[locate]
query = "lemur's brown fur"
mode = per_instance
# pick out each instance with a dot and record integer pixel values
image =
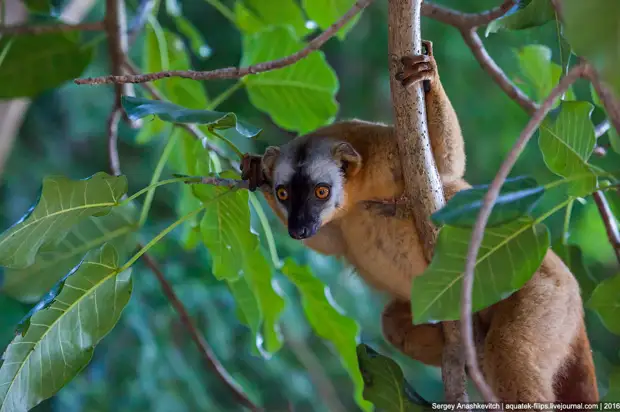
(535, 348)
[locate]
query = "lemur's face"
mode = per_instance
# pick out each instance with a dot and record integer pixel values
(308, 176)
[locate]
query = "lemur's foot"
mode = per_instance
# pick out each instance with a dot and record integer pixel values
(421, 67)
(252, 171)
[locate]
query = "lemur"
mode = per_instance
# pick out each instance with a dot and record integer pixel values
(321, 186)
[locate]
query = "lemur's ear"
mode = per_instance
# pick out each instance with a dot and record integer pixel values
(269, 160)
(349, 159)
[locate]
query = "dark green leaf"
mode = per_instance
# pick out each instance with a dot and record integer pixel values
(517, 197)
(509, 255)
(62, 204)
(540, 72)
(328, 321)
(38, 6)
(59, 339)
(566, 141)
(198, 44)
(327, 12)
(384, 382)
(61, 55)
(52, 263)
(282, 12)
(536, 13)
(573, 258)
(591, 28)
(299, 97)
(605, 300)
(138, 108)
(614, 386)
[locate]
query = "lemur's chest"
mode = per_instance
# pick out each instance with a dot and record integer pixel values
(384, 247)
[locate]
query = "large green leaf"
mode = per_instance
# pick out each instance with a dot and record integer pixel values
(236, 254)
(540, 72)
(384, 382)
(327, 12)
(62, 203)
(509, 256)
(591, 27)
(58, 340)
(328, 322)
(605, 300)
(246, 19)
(52, 263)
(36, 63)
(138, 108)
(566, 141)
(271, 13)
(535, 13)
(516, 198)
(299, 97)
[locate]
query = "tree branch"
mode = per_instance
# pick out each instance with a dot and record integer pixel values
(464, 21)
(235, 72)
(208, 356)
(478, 231)
(113, 120)
(423, 188)
(49, 28)
(611, 227)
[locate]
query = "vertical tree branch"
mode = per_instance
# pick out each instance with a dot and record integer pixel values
(423, 188)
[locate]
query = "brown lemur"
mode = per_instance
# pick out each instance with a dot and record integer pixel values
(535, 346)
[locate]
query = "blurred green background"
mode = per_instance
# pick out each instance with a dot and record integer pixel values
(148, 361)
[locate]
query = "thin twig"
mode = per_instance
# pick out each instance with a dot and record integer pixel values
(609, 221)
(113, 120)
(464, 20)
(49, 28)
(235, 72)
(607, 97)
(205, 350)
(478, 231)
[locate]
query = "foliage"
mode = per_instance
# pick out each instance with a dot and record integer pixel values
(73, 254)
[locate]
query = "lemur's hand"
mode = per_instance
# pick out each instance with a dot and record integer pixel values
(421, 67)
(252, 171)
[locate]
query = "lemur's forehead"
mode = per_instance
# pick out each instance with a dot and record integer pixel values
(310, 158)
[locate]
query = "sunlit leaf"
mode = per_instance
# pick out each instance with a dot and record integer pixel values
(384, 382)
(62, 56)
(52, 263)
(138, 108)
(299, 97)
(605, 300)
(58, 340)
(566, 141)
(236, 254)
(517, 197)
(246, 20)
(591, 28)
(281, 12)
(328, 321)
(327, 12)
(62, 203)
(535, 13)
(508, 257)
(540, 72)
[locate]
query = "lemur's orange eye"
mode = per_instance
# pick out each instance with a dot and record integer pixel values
(322, 192)
(282, 193)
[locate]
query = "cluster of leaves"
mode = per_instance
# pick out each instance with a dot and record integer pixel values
(515, 240)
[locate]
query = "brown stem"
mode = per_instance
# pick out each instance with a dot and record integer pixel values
(113, 120)
(235, 72)
(464, 21)
(49, 28)
(205, 350)
(610, 102)
(611, 227)
(478, 231)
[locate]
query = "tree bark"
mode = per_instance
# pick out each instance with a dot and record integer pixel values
(423, 188)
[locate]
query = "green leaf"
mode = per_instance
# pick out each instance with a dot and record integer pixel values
(605, 300)
(300, 97)
(535, 13)
(384, 382)
(573, 258)
(327, 12)
(591, 28)
(58, 340)
(52, 263)
(138, 108)
(516, 198)
(62, 204)
(235, 252)
(197, 42)
(21, 74)
(509, 256)
(612, 133)
(281, 12)
(328, 321)
(38, 6)
(540, 72)
(566, 141)
(246, 20)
